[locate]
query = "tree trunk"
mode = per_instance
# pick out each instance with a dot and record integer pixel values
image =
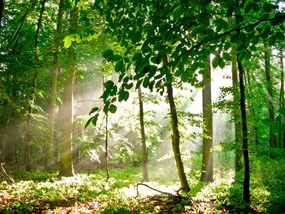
(144, 148)
(32, 94)
(175, 135)
(67, 133)
(267, 54)
(1, 11)
(246, 192)
(207, 160)
(281, 99)
(52, 157)
(236, 112)
(254, 129)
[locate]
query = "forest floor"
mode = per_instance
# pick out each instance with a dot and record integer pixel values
(44, 192)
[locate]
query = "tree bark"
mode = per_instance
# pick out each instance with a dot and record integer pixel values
(28, 137)
(246, 192)
(281, 99)
(236, 112)
(144, 147)
(67, 133)
(267, 54)
(176, 135)
(52, 156)
(207, 159)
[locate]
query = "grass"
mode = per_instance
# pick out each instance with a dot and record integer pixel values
(46, 193)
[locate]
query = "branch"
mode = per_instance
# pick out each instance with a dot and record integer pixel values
(281, 17)
(6, 175)
(142, 184)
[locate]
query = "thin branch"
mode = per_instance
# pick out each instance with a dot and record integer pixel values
(281, 18)
(6, 174)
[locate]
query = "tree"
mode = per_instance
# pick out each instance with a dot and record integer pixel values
(143, 137)
(28, 137)
(175, 133)
(267, 53)
(67, 129)
(207, 160)
(57, 44)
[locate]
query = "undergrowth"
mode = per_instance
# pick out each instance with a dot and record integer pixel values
(46, 193)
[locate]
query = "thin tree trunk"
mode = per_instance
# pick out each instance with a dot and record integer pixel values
(281, 99)
(67, 134)
(144, 148)
(252, 112)
(106, 149)
(176, 135)
(267, 53)
(106, 142)
(1, 11)
(236, 113)
(52, 155)
(207, 160)
(32, 95)
(246, 192)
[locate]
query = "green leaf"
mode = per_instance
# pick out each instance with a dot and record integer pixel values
(117, 57)
(119, 67)
(108, 84)
(67, 41)
(215, 62)
(113, 108)
(197, 30)
(227, 56)
(108, 54)
(177, 12)
(123, 95)
(95, 109)
(247, 55)
(222, 63)
(88, 122)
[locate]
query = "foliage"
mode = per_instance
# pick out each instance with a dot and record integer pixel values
(91, 193)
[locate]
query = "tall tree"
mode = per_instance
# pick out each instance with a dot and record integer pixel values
(57, 44)
(207, 159)
(175, 134)
(246, 192)
(143, 139)
(281, 97)
(236, 113)
(67, 129)
(267, 53)
(28, 137)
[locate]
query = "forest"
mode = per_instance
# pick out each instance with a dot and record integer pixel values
(150, 106)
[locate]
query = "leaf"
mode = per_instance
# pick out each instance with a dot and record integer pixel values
(119, 67)
(108, 54)
(227, 56)
(88, 122)
(177, 12)
(117, 57)
(108, 84)
(93, 110)
(215, 62)
(67, 41)
(197, 30)
(247, 55)
(123, 95)
(113, 108)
